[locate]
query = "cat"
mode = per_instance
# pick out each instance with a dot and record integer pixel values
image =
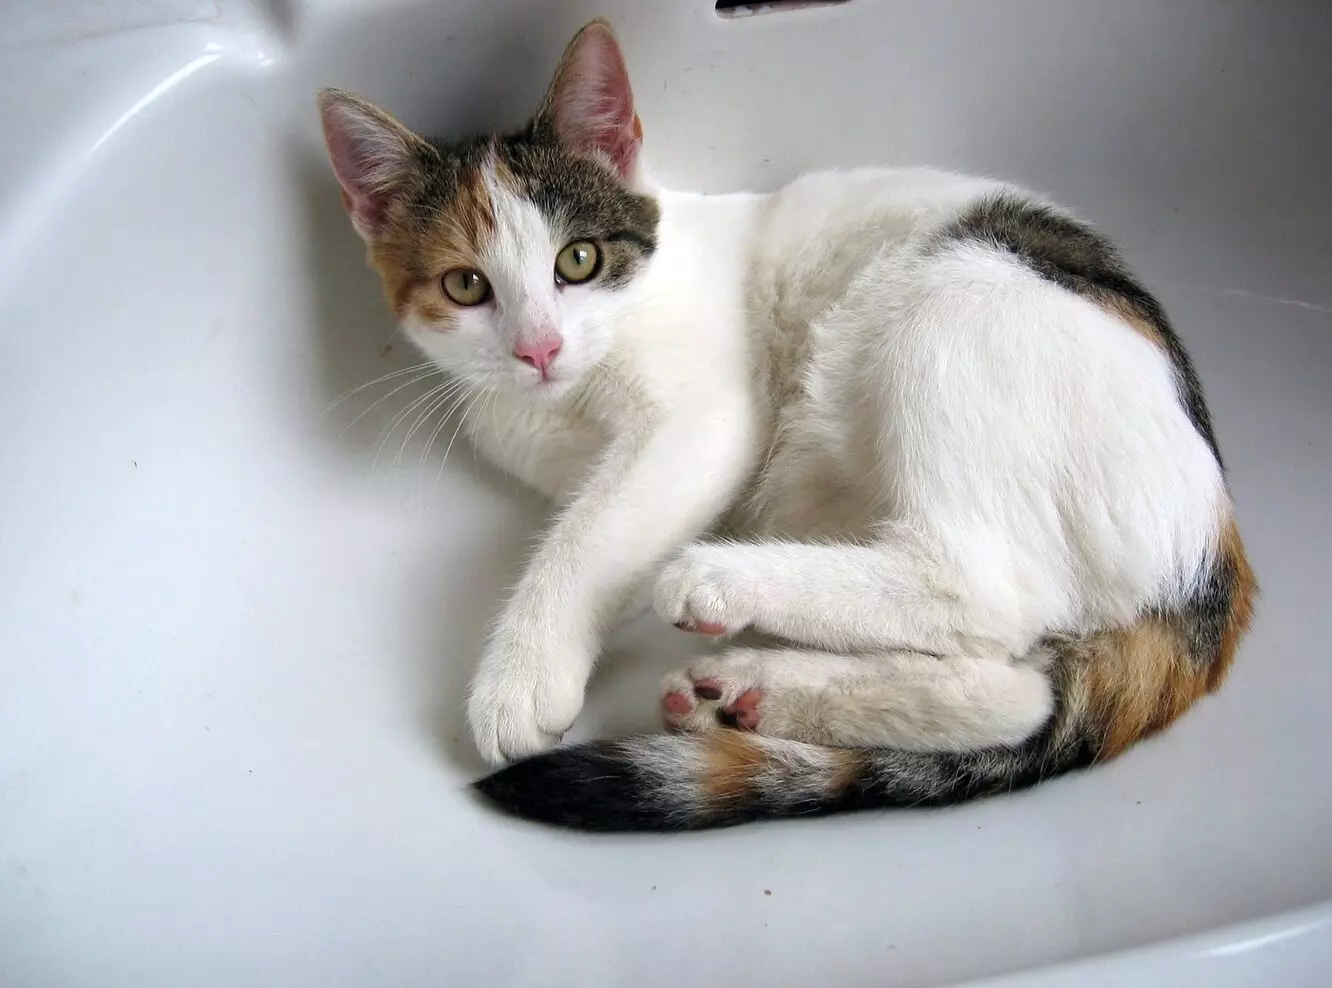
(924, 430)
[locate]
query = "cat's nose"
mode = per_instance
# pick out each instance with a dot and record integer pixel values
(539, 353)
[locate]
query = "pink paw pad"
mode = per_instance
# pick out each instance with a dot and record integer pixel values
(677, 703)
(743, 711)
(702, 627)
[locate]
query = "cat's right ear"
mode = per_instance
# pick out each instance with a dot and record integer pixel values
(374, 157)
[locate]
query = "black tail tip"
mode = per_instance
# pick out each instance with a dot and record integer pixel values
(592, 786)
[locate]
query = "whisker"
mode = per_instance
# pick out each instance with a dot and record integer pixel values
(430, 443)
(463, 418)
(383, 398)
(379, 380)
(489, 400)
(401, 417)
(420, 420)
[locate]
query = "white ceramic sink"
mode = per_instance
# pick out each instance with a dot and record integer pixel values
(233, 646)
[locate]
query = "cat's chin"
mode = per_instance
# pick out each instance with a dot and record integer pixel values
(550, 390)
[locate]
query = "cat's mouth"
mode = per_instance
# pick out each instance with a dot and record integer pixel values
(548, 386)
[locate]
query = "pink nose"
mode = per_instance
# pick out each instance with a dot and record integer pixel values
(540, 354)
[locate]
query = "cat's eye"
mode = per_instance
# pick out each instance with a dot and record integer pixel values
(466, 287)
(577, 262)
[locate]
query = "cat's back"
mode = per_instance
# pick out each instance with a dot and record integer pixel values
(814, 235)
(882, 202)
(994, 357)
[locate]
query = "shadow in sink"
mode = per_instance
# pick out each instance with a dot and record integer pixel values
(362, 359)
(373, 397)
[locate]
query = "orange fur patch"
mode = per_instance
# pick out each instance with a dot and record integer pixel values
(851, 767)
(1137, 681)
(470, 220)
(430, 311)
(394, 264)
(734, 758)
(415, 251)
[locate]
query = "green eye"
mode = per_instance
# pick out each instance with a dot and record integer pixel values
(466, 287)
(577, 262)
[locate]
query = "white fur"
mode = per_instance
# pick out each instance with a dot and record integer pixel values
(618, 416)
(931, 451)
(891, 700)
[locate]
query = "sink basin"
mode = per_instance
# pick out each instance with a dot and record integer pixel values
(241, 595)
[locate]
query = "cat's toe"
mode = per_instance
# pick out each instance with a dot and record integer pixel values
(743, 711)
(713, 628)
(677, 703)
(708, 696)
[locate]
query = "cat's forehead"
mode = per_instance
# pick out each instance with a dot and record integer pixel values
(569, 188)
(465, 203)
(577, 195)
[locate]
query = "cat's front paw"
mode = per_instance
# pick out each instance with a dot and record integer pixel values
(703, 590)
(523, 698)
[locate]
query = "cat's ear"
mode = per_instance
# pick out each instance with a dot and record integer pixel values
(374, 157)
(589, 103)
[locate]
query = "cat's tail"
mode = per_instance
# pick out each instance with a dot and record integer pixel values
(724, 777)
(1109, 689)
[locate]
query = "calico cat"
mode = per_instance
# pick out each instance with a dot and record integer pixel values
(925, 431)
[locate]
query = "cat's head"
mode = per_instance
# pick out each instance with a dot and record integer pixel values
(505, 257)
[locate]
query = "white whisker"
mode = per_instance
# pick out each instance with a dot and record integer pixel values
(430, 442)
(379, 380)
(420, 420)
(445, 459)
(401, 417)
(383, 398)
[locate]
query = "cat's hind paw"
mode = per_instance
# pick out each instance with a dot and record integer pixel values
(703, 698)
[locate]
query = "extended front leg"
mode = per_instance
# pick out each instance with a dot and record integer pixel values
(652, 491)
(899, 593)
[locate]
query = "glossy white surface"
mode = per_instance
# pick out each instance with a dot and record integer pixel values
(233, 645)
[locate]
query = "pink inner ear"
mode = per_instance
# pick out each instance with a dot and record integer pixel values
(359, 205)
(594, 104)
(368, 159)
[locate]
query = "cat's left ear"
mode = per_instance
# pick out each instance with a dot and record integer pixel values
(589, 103)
